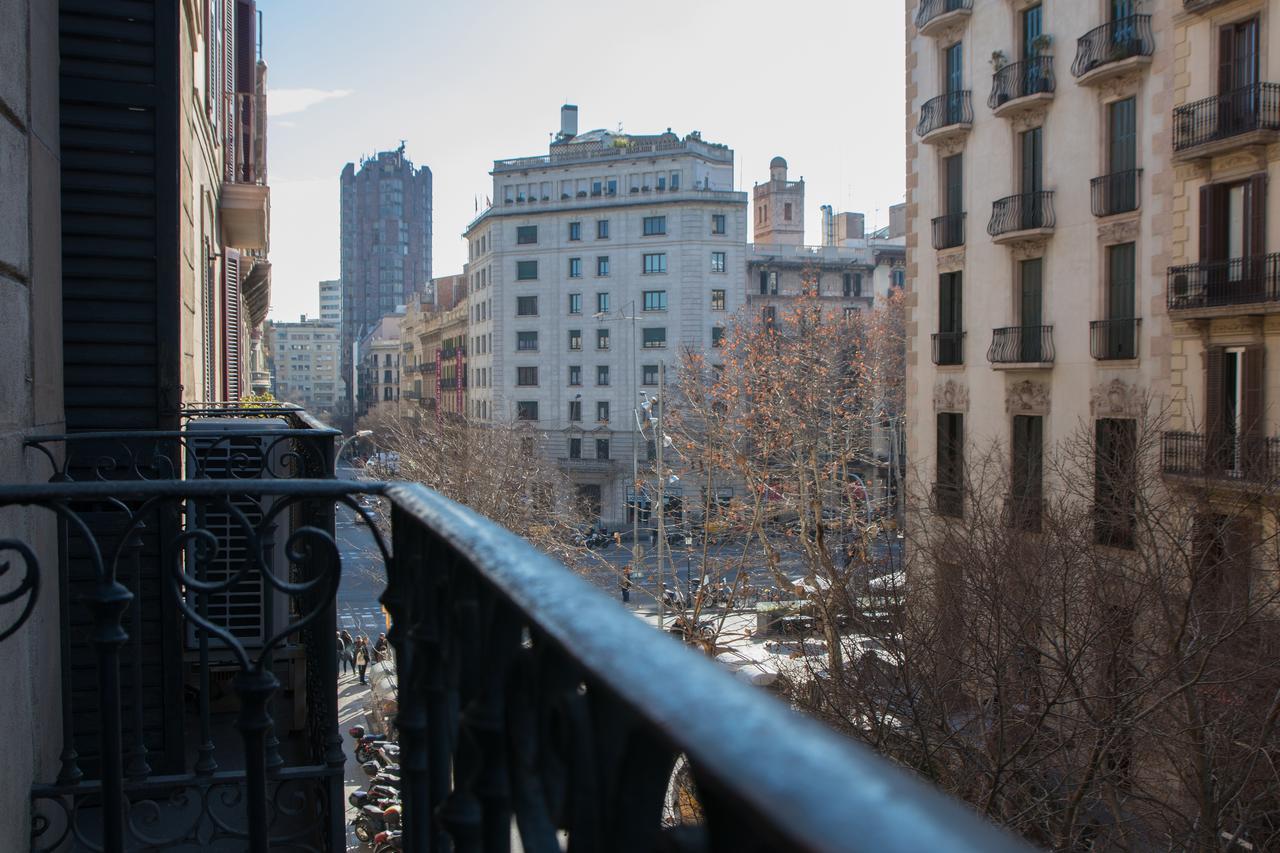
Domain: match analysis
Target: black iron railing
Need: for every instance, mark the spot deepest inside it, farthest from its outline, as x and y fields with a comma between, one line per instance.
x=1217, y=284
x=948, y=231
x=1116, y=193
x=948, y=348
x=930, y=9
x=1032, y=76
x=948, y=500
x=526, y=697
x=948, y=109
x=1021, y=345
x=1115, y=41
x=1022, y=212
x=1024, y=512
x=1247, y=458
x=1250, y=108
x=1114, y=339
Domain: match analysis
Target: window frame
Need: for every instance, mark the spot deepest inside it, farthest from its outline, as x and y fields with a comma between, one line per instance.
x=647, y=343
x=522, y=267
x=659, y=299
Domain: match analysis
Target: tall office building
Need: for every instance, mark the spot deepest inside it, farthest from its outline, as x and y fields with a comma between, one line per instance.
x=598, y=263
x=331, y=301
x=386, y=241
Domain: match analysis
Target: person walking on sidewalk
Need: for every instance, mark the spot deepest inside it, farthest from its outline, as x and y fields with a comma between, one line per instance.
x=344, y=656
x=362, y=659
x=350, y=650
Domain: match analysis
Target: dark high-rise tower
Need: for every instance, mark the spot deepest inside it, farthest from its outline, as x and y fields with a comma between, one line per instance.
x=386, y=241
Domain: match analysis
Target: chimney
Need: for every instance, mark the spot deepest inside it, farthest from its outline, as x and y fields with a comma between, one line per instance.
x=828, y=227
x=568, y=121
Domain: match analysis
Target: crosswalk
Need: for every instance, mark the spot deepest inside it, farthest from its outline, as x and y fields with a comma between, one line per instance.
x=363, y=620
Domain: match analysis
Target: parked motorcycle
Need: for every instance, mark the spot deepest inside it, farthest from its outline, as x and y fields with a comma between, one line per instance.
x=388, y=841
x=375, y=795
x=371, y=820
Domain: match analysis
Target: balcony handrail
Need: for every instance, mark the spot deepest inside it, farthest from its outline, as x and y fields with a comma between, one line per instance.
x=1032, y=76
x=250, y=146
x=1114, y=339
x=1022, y=212
x=1247, y=458
x=948, y=348
x=484, y=622
x=1114, y=41
x=948, y=230
x=930, y=9
x=949, y=108
x=1118, y=192
x=1219, y=284
x=1021, y=345
x=1222, y=116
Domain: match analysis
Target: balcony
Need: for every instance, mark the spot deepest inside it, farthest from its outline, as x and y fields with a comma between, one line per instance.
x=1112, y=49
x=1235, y=286
x=948, y=348
x=585, y=465
x=948, y=231
x=936, y=16
x=1119, y=192
x=245, y=205
x=1222, y=123
x=946, y=118
x=948, y=500
x=1023, y=216
x=1114, y=340
x=1244, y=460
x=1020, y=86
x=1023, y=512
x=1021, y=347
x=481, y=623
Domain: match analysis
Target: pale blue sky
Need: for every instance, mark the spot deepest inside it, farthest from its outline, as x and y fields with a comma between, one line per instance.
x=464, y=83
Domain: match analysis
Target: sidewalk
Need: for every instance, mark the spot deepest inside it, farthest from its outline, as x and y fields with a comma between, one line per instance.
x=353, y=697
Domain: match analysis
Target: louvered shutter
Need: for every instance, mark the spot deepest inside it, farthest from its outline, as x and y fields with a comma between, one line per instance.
x=1251, y=421
x=1207, y=215
x=1213, y=408
x=231, y=326
x=229, y=83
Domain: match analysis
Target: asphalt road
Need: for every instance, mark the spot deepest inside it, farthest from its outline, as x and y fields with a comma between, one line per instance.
x=363, y=575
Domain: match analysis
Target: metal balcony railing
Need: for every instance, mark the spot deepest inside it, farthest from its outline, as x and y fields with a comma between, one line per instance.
x=1118, y=192
x=522, y=688
x=1032, y=76
x=948, y=231
x=948, y=500
x=1024, y=512
x=248, y=155
x=948, y=109
x=948, y=348
x=1022, y=212
x=1115, y=41
x=1114, y=339
x=1021, y=345
x=1250, y=108
x=1253, y=459
x=1218, y=284
x=930, y=9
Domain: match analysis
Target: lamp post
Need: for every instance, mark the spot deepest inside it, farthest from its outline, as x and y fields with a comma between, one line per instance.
x=364, y=433
x=635, y=433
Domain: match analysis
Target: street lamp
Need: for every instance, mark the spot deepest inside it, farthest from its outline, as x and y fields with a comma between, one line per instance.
x=364, y=433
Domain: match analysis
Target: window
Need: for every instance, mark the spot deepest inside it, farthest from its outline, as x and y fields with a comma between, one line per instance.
x=527, y=410
x=675, y=180
x=717, y=261
x=526, y=376
x=575, y=339
x=526, y=270
x=386, y=376
x=526, y=234
x=602, y=374
x=575, y=268
x=654, y=338
x=602, y=448
x=575, y=303
x=602, y=266
x=575, y=374
x=527, y=341
x=655, y=225
x=769, y=316
x=602, y=229
x=526, y=306
x=768, y=283
x=717, y=336
x=717, y=300
x=596, y=188
x=602, y=338
x=655, y=263
x=575, y=230
x=602, y=411
x=898, y=278
x=852, y=285
x=1115, y=482
x=602, y=302
x=613, y=186
x=786, y=211
x=950, y=318
x=1026, y=488
x=1120, y=329
x=1234, y=409
x=575, y=410
x=949, y=490
x=575, y=444
x=655, y=300
x=649, y=374
x=717, y=223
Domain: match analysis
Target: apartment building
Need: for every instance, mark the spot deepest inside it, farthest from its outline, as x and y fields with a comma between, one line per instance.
x=331, y=301
x=304, y=360
x=1045, y=311
x=599, y=262
x=379, y=368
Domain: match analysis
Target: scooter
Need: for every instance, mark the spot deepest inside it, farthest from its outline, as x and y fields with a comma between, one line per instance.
x=376, y=795
x=388, y=841
x=371, y=820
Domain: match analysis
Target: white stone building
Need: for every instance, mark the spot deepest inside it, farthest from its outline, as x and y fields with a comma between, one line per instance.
x=331, y=301
x=305, y=361
x=597, y=263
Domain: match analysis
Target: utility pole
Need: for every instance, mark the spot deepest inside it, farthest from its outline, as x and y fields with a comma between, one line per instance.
x=636, y=548
x=662, y=490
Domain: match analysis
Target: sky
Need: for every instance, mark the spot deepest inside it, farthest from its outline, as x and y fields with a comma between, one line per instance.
x=820, y=82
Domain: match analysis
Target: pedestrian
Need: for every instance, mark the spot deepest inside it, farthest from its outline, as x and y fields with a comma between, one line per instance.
x=381, y=649
x=362, y=659
x=344, y=659
x=626, y=585
x=350, y=650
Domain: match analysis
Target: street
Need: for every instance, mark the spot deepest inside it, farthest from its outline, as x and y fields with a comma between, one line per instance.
x=363, y=574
